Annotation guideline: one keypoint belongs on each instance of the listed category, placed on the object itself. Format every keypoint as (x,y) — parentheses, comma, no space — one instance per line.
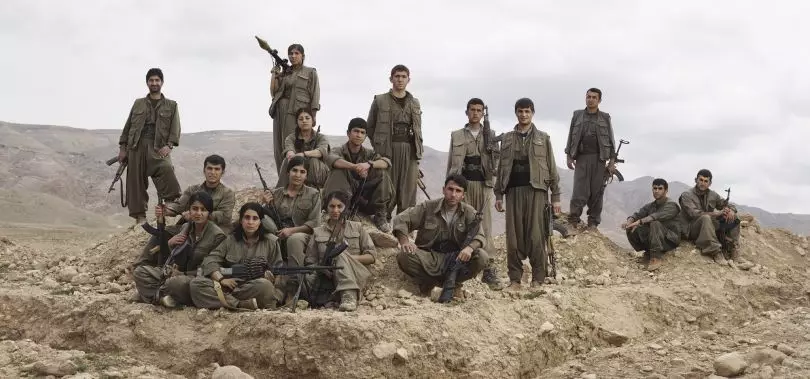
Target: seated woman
(349,281)
(312,146)
(157,282)
(293,212)
(249,242)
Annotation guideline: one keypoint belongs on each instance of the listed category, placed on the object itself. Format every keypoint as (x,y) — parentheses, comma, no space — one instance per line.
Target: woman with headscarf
(249,243)
(291,90)
(168,284)
(311,145)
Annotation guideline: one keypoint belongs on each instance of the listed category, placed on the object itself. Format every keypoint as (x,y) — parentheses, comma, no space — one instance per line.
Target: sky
(691,84)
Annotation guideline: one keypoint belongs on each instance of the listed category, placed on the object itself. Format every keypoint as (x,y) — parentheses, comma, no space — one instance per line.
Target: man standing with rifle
(589,148)
(395,130)
(442,226)
(151,132)
(473,154)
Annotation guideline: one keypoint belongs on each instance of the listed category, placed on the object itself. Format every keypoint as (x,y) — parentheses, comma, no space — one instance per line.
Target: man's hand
(290,155)
(627,222)
(284,233)
(729,214)
(362,169)
(631,225)
(229,283)
(177,240)
(557,208)
(159,211)
(175,271)
(611,167)
(187,215)
(164,151)
(465,254)
(267,197)
(499,205)
(570,162)
(122,154)
(406,245)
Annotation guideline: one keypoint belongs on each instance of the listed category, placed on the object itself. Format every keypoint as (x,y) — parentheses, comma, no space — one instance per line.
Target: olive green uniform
(426,264)
(317,170)
(378,190)
(305,210)
(148,276)
(224,201)
(150,126)
(703,229)
(468,156)
(395,129)
(526,173)
(591,144)
(227,254)
(298,89)
(354,275)
(660,228)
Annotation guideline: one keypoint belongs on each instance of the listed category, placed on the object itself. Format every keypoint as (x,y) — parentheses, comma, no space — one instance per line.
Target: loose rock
(730,364)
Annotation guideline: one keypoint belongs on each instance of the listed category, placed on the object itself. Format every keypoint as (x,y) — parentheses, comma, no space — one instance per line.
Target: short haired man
(442,226)
(353,166)
(705,216)
(590,144)
(224,197)
(150,133)
(473,154)
(395,130)
(527,175)
(655,228)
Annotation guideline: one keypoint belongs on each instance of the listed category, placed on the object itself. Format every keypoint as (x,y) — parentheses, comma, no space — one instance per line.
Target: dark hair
(154,72)
(358,123)
(339,194)
(238,231)
(204,198)
(398,68)
(596,91)
(704,173)
(524,102)
(296,161)
(296,46)
(214,160)
(303,110)
(661,182)
(475,101)
(460,180)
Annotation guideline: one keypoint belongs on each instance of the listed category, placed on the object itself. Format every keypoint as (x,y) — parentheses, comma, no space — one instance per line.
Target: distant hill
(44,162)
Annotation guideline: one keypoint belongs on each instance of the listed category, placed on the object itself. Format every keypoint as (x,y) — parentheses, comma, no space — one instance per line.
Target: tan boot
(654,264)
(719,258)
(348,301)
(168,302)
(513,286)
(458,292)
(250,304)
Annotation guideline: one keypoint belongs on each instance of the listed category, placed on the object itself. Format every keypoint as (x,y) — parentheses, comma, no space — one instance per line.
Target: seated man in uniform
(352,166)
(349,281)
(171,288)
(711,222)
(442,227)
(655,228)
(224,198)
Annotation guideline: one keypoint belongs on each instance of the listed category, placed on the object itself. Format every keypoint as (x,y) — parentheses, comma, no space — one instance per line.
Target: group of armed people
(279,250)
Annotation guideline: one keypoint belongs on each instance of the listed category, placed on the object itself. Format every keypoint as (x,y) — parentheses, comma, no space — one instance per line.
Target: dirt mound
(606,318)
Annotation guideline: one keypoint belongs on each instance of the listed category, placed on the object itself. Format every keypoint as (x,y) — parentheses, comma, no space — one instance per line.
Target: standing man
(473,154)
(590,144)
(711,221)
(223,197)
(151,132)
(655,228)
(395,130)
(527,173)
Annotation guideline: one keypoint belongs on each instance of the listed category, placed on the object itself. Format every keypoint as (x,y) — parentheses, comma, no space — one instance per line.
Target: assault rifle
(117,178)
(551,264)
(453,266)
(487,143)
(421,184)
(256,268)
(280,222)
(286,67)
(608,174)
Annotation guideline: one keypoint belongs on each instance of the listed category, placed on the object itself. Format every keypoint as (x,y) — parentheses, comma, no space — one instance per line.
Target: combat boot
(348,301)
(654,264)
(381,222)
(513,286)
(250,304)
(168,301)
(719,258)
(490,278)
(458,292)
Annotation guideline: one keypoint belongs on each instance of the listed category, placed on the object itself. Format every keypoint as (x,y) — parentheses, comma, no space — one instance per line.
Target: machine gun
(451,263)
(280,222)
(117,178)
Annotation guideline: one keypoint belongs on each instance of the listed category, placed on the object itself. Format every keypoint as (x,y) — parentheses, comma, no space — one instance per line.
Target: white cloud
(719,85)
